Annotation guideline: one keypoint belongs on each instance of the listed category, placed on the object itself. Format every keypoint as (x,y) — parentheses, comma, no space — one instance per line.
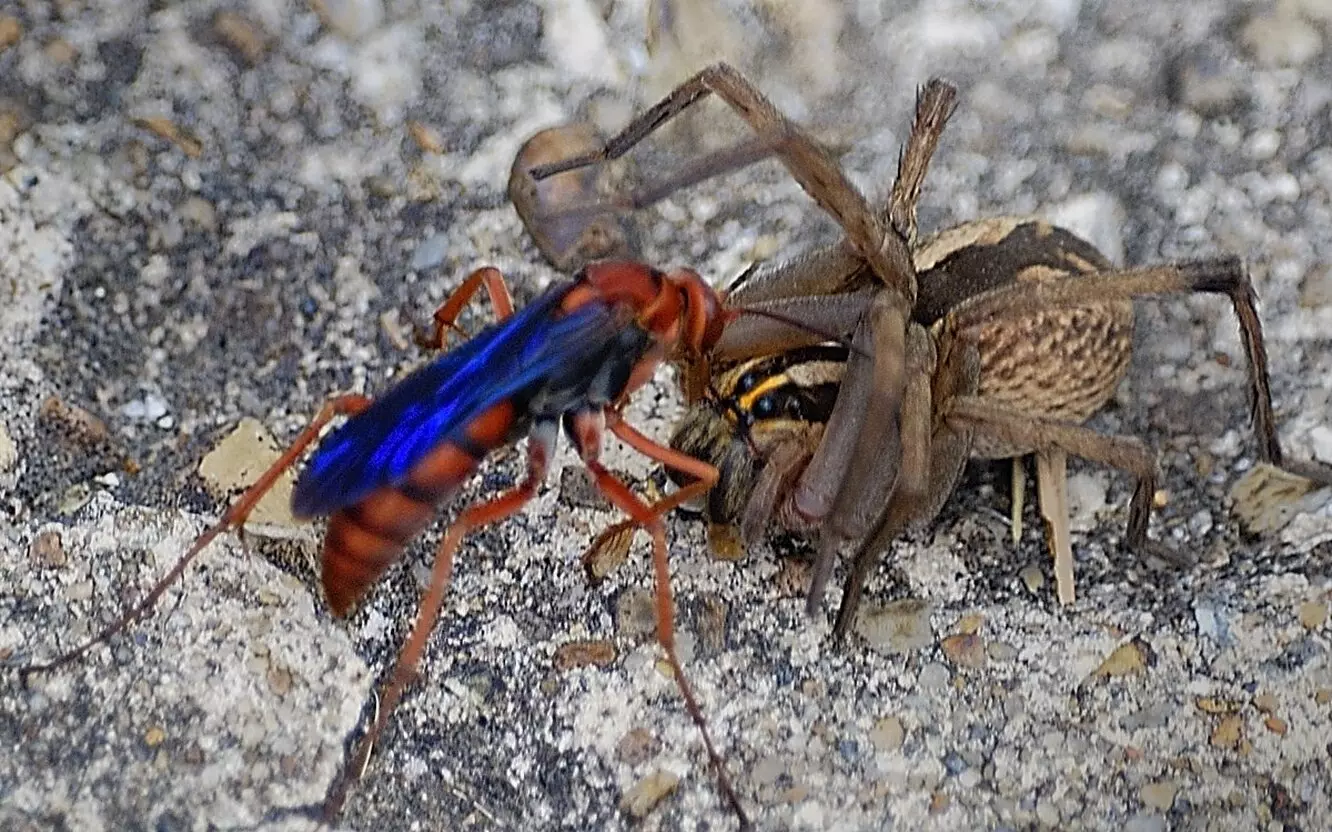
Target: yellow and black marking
(799,385)
(751,409)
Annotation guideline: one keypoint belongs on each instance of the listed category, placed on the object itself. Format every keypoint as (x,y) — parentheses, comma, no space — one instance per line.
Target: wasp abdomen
(366,538)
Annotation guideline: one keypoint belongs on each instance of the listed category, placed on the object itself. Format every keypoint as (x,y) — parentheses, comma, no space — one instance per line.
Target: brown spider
(995,338)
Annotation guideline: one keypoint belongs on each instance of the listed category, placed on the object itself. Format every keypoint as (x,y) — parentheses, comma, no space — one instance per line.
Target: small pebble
(80,423)
(352,19)
(1145,823)
(637,746)
(149,408)
(970,624)
(932,677)
(46,550)
(238,460)
(1048,813)
(1266,497)
(647,793)
(1212,623)
(1214,705)
(577,654)
(1313,614)
(1228,732)
(426,137)
(1033,577)
(1159,796)
(897,627)
(242,35)
(430,252)
(8,452)
(1200,523)
(1320,442)
(888,734)
(1262,145)
(635,612)
(939,803)
(279,680)
(796,794)
(1280,39)
(608,552)
(953,763)
(11,29)
(199,212)
(767,770)
(1127,659)
(1204,80)
(964,650)
(1316,287)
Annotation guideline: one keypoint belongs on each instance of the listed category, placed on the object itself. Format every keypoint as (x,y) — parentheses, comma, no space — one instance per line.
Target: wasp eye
(766,407)
(746,383)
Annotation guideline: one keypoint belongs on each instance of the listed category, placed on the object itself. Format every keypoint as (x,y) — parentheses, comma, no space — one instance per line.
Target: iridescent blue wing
(511,359)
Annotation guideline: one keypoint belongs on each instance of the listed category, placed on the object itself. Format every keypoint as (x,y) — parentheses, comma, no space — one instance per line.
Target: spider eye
(746,383)
(795,408)
(765,407)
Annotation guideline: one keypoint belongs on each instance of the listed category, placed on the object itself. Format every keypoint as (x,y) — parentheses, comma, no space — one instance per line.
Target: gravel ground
(211,212)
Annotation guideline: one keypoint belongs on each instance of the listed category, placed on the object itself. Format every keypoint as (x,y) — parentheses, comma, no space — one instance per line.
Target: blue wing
(510,359)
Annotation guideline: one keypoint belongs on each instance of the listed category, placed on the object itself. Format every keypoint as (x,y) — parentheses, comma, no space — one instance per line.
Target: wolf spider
(995,338)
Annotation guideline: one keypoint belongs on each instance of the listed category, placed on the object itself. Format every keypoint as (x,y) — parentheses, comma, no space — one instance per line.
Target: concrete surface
(205,218)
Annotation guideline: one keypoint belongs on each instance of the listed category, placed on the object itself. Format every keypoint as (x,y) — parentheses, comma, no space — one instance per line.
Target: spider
(995,338)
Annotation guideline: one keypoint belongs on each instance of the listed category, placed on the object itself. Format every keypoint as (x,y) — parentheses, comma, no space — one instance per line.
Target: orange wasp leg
(649,517)
(409,657)
(447,314)
(234,517)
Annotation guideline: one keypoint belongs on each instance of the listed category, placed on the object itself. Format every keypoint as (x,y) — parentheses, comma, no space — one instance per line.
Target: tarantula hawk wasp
(995,338)
(567,361)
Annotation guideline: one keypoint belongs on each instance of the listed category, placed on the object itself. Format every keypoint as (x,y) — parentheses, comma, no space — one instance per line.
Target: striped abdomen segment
(364,539)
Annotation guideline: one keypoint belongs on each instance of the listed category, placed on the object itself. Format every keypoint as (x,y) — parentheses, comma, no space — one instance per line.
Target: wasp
(567,361)
(967,343)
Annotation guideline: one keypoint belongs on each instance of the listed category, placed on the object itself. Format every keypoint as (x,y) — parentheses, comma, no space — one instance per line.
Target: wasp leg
(649,517)
(233,518)
(540,446)
(447,313)
(618,534)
